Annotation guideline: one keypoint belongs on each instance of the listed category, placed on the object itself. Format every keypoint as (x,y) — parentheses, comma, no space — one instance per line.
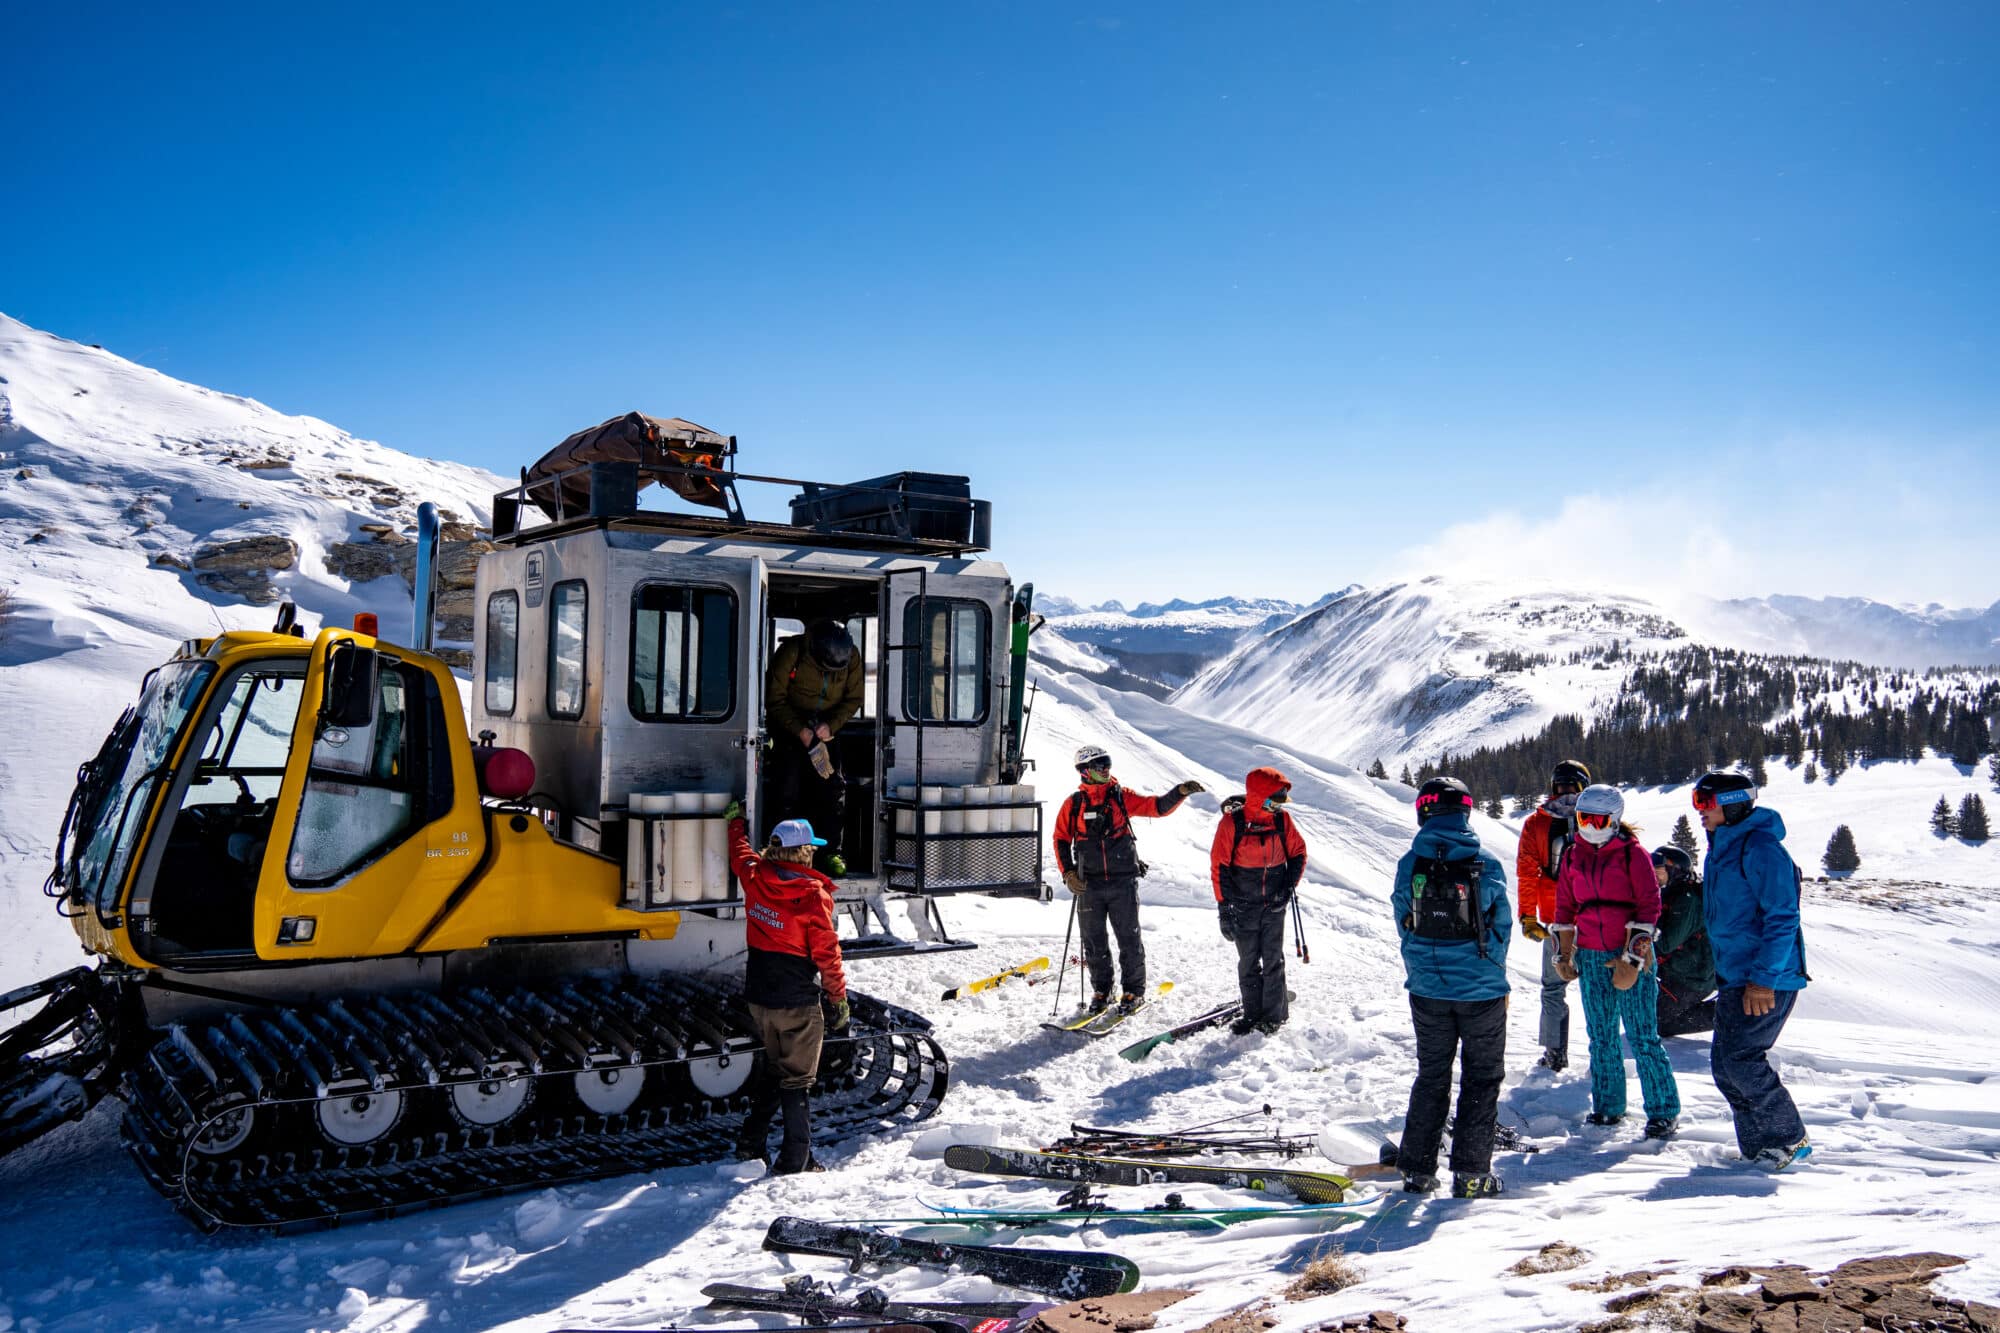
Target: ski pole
(1299,930)
(1056,1008)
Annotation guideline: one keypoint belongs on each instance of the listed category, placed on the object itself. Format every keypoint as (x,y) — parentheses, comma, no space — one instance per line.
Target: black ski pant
(795,790)
(1475,1031)
(1259,928)
(1680,1015)
(1106,908)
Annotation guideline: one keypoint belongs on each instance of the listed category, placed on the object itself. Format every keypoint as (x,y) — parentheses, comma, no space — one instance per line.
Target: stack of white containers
(987,855)
(680,860)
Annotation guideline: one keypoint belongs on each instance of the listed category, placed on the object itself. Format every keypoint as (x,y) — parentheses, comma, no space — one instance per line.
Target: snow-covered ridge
(1158,646)
(114,481)
(1853,628)
(1422,668)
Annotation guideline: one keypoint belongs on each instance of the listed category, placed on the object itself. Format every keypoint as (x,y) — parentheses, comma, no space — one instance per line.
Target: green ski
(1097,1022)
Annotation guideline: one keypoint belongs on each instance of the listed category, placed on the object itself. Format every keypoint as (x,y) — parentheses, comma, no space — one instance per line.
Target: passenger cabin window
(368,788)
(503,650)
(569,611)
(944,680)
(683,654)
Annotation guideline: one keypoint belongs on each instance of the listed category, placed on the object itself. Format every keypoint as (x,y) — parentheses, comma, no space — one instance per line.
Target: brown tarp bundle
(632,438)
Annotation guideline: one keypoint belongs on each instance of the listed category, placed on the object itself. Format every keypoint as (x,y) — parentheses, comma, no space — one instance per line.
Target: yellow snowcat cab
(350,962)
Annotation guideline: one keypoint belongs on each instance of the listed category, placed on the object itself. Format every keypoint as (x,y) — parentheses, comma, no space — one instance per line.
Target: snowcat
(354,956)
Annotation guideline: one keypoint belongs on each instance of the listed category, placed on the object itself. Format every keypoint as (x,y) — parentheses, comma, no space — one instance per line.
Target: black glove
(1188,788)
(1227,921)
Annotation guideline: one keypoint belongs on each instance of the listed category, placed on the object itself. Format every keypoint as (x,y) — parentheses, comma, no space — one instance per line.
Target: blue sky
(1245,298)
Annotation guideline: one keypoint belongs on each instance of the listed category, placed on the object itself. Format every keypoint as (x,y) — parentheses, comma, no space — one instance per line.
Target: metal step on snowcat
(415,1100)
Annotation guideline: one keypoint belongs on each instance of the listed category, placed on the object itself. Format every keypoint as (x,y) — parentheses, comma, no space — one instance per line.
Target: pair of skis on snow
(1098,1022)
(1068,1275)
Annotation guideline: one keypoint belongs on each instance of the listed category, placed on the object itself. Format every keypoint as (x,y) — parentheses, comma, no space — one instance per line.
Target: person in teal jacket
(1750,906)
(1454,916)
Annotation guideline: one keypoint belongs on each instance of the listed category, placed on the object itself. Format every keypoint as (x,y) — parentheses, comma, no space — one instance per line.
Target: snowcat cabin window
(683,654)
(569,617)
(944,680)
(503,651)
(116,790)
(368,788)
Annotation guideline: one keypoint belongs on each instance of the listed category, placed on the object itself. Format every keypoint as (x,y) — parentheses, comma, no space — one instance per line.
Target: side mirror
(350,686)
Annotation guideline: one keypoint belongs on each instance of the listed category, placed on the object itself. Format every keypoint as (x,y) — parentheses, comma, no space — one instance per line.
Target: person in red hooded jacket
(1099,860)
(1545,835)
(1255,865)
(794,968)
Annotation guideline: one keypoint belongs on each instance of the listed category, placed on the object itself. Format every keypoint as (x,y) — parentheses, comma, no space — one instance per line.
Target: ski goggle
(1277,799)
(1595,819)
(1566,789)
(1712,800)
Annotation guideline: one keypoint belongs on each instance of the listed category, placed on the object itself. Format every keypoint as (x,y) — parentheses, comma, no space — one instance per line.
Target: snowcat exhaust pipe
(425,591)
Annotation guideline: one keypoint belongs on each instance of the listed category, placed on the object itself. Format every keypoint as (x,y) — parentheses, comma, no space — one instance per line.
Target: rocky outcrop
(243,568)
(359,562)
(1892,1292)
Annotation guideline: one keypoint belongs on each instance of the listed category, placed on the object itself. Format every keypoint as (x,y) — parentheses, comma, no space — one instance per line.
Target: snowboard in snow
(809,1300)
(1306,1186)
(1067,1274)
(1097,1022)
(1027,969)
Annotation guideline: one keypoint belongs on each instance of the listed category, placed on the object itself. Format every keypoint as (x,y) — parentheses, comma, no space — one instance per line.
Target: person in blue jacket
(1452,911)
(1750,906)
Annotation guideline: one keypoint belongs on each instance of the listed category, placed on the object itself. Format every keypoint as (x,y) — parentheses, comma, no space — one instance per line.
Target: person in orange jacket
(1255,865)
(1099,860)
(794,968)
(1548,832)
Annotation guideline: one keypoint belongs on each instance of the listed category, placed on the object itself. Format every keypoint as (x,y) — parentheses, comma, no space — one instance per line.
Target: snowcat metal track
(295,1118)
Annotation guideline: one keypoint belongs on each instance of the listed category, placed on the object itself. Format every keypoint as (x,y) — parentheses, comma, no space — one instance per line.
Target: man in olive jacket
(813,686)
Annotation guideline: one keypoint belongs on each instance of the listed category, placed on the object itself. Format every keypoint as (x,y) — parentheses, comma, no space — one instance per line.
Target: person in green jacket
(1687,964)
(813,686)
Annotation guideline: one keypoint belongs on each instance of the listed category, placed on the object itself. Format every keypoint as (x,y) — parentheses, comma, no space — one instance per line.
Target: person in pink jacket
(1607,909)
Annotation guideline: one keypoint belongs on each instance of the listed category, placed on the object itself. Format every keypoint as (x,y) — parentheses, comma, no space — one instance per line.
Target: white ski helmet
(1606,806)
(1092,756)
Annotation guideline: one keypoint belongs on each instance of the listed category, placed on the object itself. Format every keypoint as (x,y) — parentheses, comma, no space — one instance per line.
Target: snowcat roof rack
(905,513)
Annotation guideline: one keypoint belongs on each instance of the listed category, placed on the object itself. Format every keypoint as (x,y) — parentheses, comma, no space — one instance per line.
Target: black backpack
(1115,850)
(1444,901)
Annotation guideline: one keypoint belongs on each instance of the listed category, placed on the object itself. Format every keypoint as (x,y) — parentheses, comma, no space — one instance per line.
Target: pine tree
(1523,805)
(1375,770)
(1943,822)
(1683,837)
(1494,808)
(1993,769)
(1841,857)
(1812,771)
(1757,773)
(1406,780)
(1972,819)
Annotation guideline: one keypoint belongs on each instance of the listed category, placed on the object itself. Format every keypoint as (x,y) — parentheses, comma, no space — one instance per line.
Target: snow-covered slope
(113,477)
(1852,629)
(1419,669)
(1166,644)
(1889,1056)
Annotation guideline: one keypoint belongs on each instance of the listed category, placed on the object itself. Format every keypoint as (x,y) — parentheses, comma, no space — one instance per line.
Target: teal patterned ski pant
(1605,1008)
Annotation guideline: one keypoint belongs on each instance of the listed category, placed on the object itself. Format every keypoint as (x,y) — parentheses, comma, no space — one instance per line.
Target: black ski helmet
(1442,796)
(1734,792)
(1679,864)
(830,644)
(1570,772)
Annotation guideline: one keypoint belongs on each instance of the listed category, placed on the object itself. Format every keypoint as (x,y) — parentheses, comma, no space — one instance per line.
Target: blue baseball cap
(796,833)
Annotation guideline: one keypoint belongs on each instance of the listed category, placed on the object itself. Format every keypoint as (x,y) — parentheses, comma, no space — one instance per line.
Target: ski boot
(1662,1126)
(1129,1001)
(795,1152)
(1242,1027)
(1600,1118)
(1553,1060)
(1269,1027)
(1099,1002)
(1777,1159)
(1419,1182)
(1464,1186)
